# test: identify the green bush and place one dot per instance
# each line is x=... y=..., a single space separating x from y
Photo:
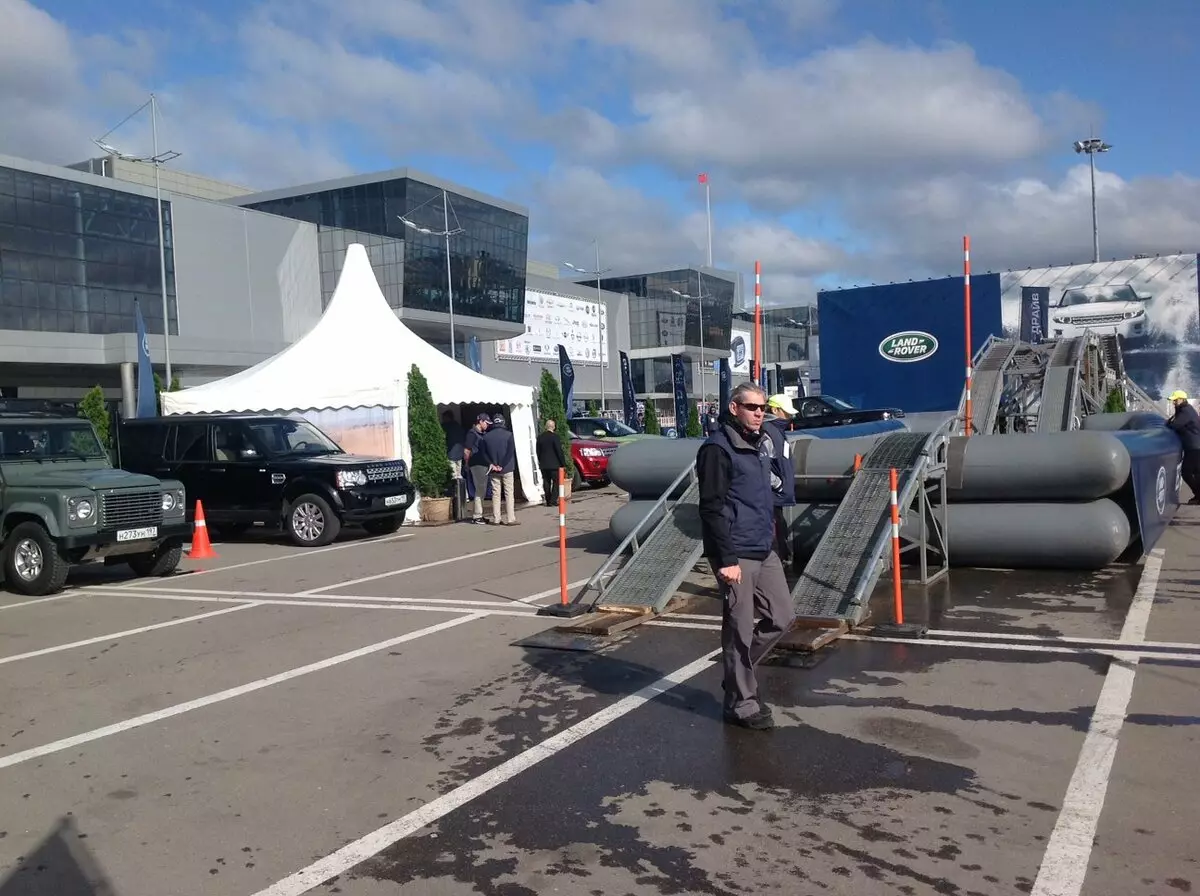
x=693 y=423
x=430 y=465
x=551 y=406
x=94 y=408
x=1115 y=403
x=158 y=390
x=592 y=408
x=652 y=427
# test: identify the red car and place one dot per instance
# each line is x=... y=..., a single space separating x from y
x=590 y=457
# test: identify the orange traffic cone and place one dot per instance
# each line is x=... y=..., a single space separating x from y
x=201 y=546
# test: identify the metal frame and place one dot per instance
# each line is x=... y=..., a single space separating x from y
x=935 y=521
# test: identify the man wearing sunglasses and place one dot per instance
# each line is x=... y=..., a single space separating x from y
x=737 y=517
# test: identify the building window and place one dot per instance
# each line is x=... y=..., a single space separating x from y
x=670 y=309
x=75 y=258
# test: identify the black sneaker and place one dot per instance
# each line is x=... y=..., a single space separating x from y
x=760 y=721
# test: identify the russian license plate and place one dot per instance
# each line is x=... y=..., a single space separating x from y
x=137 y=534
x=395 y=500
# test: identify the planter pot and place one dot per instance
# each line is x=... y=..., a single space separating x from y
x=567 y=489
x=435 y=510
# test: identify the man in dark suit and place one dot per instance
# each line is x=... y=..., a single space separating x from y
x=551 y=459
x=501 y=449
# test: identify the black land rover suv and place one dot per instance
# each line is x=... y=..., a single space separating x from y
x=277 y=470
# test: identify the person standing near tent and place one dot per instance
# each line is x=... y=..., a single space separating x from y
x=551 y=459
x=455 y=437
x=476 y=458
x=501 y=448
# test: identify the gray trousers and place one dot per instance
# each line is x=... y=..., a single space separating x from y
x=763 y=590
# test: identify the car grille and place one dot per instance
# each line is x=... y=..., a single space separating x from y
x=123 y=510
x=385 y=472
x=1098 y=319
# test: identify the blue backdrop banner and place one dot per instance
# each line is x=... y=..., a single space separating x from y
x=629 y=399
x=681 y=397
x=566 y=376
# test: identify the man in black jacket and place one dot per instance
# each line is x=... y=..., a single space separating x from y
x=737 y=517
x=550 y=458
x=1186 y=424
x=501 y=450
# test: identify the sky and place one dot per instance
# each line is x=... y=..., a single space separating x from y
x=846 y=141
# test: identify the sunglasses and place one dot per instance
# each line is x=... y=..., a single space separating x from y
x=753 y=407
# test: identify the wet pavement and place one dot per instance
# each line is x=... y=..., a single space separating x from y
x=359 y=721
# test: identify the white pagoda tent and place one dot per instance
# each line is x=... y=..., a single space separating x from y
x=349 y=376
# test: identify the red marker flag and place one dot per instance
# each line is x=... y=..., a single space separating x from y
x=703 y=178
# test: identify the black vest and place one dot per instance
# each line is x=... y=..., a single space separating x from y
x=750 y=504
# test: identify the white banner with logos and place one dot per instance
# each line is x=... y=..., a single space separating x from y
x=741 y=347
x=551 y=319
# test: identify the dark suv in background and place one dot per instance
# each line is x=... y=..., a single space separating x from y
x=277 y=470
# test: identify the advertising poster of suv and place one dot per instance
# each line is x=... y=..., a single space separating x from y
x=62 y=503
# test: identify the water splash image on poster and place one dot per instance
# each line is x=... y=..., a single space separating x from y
x=1152 y=303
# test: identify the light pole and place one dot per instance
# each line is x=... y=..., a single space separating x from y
x=700 y=302
x=445 y=234
x=600 y=316
x=156 y=159
x=1091 y=146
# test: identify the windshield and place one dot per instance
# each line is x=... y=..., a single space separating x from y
x=60 y=441
x=837 y=402
x=1093 y=294
x=292 y=437
x=614 y=427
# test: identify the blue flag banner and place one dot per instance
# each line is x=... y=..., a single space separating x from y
x=681 y=397
x=724 y=387
x=1035 y=313
x=627 y=393
x=566 y=376
x=147 y=402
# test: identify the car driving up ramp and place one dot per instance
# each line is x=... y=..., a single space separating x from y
x=837 y=582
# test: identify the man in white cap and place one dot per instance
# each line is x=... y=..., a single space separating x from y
x=1186 y=424
x=783 y=478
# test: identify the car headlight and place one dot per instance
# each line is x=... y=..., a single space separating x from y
x=173 y=502
x=81 y=510
x=1130 y=315
x=168 y=502
x=349 y=478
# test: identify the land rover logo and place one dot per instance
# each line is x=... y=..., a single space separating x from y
x=1160 y=491
x=909 y=346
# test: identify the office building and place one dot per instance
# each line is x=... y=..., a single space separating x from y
x=790 y=347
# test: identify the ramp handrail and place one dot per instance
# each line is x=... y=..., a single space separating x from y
x=632 y=538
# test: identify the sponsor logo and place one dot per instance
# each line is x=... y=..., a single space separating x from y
x=1160 y=491
x=909 y=346
x=568 y=369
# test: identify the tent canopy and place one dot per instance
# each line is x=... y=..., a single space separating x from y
x=357 y=355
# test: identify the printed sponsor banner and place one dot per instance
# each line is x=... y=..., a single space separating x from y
x=566 y=375
x=627 y=393
x=741 y=347
x=552 y=319
x=1035 y=306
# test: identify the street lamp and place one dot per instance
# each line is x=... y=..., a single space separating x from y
x=445 y=234
x=1091 y=146
x=700 y=301
x=156 y=159
x=600 y=316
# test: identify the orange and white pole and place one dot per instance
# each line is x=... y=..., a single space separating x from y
x=757 y=370
x=967 y=307
x=562 y=536
x=897 y=591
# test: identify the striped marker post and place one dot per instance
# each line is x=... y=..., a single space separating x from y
x=564 y=607
x=897 y=590
x=967 y=426
x=756 y=371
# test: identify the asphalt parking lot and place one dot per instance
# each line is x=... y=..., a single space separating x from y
x=357 y=720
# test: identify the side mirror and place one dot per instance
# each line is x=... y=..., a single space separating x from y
x=600 y=433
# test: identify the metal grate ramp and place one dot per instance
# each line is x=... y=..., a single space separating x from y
x=654 y=573
x=987 y=385
x=843 y=570
x=1059 y=387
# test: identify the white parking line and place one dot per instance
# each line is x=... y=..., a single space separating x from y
x=125 y=634
x=431 y=565
x=41 y=600
x=552 y=591
x=1068 y=854
x=465 y=603
x=138 y=583
x=373 y=843
x=68 y=743
x=1063 y=639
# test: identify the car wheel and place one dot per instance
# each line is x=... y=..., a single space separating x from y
x=33 y=564
x=156 y=564
x=311 y=522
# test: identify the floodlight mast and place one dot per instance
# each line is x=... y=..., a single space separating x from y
x=600 y=316
x=1091 y=146
x=156 y=159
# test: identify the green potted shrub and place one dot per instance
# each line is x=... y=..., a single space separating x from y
x=551 y=406
x=430 y=473
x=693 y=422
x=652 y=427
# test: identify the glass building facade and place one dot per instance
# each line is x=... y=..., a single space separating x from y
x=487 y=258
x=75 y=258
x=674 y=308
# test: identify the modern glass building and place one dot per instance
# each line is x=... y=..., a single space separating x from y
x=77 y=257
x=684 y=311
x=789 y=345
x=487 y=257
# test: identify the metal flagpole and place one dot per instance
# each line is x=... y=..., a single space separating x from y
x=162 y=245
x=708 y=214
x=449 y=279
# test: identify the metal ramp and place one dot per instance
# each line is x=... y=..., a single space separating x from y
x=841 y=575
x=661 y=559
x=1060 y=387
x=987 y=384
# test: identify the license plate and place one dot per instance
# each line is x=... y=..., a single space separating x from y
x=137 y=534
x=395 y=500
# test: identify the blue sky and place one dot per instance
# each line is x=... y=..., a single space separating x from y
x=849 y=141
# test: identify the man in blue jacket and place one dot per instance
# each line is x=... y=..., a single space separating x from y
x=1186 y=424
x=735 y=466
x=501 y=450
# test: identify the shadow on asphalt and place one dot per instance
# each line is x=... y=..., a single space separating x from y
x=61 y=865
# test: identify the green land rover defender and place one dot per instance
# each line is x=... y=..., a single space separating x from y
x=63 y=503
